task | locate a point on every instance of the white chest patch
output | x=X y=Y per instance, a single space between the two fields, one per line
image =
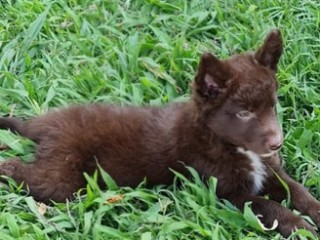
x=258 y=173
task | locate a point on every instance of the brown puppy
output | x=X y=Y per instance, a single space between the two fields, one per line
x=228 y=129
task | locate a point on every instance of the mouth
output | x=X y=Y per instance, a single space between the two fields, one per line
x=265 y=155
x=262 y=155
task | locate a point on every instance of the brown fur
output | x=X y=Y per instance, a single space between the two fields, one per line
x=231 y=115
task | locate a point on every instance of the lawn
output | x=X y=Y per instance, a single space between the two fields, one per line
x=145 y=52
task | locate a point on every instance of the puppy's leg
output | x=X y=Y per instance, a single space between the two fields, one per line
x=46 y=180
x=269 y=211
x=301 y=199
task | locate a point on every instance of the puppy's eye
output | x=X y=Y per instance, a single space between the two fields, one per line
x=245 y=114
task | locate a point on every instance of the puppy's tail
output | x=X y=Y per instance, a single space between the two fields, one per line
x=15 y=125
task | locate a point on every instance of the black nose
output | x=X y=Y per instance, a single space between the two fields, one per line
x=276 y=146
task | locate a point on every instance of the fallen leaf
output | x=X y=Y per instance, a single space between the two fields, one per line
x=42 y=208
x=115 y=198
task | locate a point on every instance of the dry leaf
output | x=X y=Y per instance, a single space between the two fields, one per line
x=115 y=198
x=42 y=208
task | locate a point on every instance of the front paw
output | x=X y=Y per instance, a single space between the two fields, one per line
x=314 y=213
x=293 y=225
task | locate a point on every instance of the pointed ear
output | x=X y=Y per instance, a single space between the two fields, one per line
x=211 y=76
x=270 y=52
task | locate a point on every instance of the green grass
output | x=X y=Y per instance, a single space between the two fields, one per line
x=141 y=52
